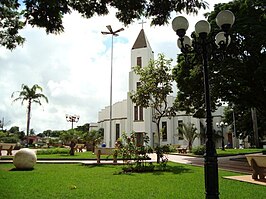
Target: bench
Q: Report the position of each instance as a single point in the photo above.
(79, 147)
(105, 151)
(182, 150)
(258, 165)
(8, 147)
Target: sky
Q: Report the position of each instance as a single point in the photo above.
(73, 68)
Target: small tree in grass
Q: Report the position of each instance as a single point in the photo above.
(131, 150)
(189, 132)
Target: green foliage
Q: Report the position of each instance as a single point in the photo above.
(49, 14)
(93, 137)
(236, 76)
(243, 70)
(10, 139)
(47, 133)
(243, 122)
(240, 77)
(189, 132)
(2, 134)
(7, 137)
(199, 150)
(166, 149)
(129, 149)
(10, 24)
(14, 130)
(53, 151)
(70, 135)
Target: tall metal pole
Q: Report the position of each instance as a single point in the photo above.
(72, 119)
(210, 157)
(234, 124)
(222, 130)
(111, 92)
(113, 33)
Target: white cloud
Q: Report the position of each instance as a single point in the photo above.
(74, 69)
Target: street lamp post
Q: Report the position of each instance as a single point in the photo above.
(200, 45)
(72, 119)
(234, 125)
(222, 125)
(113, 33)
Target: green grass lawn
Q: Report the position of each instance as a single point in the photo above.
(77, 155)
(76, 181)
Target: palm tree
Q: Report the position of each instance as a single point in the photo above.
(93, 138)
(189, 133)
(30, 95)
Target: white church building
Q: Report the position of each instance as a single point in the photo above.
(127, 117)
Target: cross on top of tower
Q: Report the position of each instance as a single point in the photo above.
(142, 22)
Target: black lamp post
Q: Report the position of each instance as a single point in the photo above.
(200, 45)
(222, 125)
(72, 119)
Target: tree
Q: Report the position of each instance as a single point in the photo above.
(93, 138)
(239, 78)
(84, 128)
(189, 132)
(14, 130)
(10, 24)
(47, 133)
(243, 122)
(155, 85)
(49, 14)
(32, 132)
(30, 95)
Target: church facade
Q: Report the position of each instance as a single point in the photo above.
(128, 117)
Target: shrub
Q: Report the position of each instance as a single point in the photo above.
(200, 150)
(129, 149)
(11, 139)
(53, 151)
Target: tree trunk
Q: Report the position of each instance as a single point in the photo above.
(158, 147)
(255, 126)
(190, 146)
(28, 122)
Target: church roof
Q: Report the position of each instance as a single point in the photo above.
(141, 41)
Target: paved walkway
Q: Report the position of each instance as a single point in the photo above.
(236, 163)
(231, 163)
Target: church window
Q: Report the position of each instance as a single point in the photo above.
(164, 131)
(180, 135)
(117, 131)
(136, 113)
(139, 61)
(141, 113)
